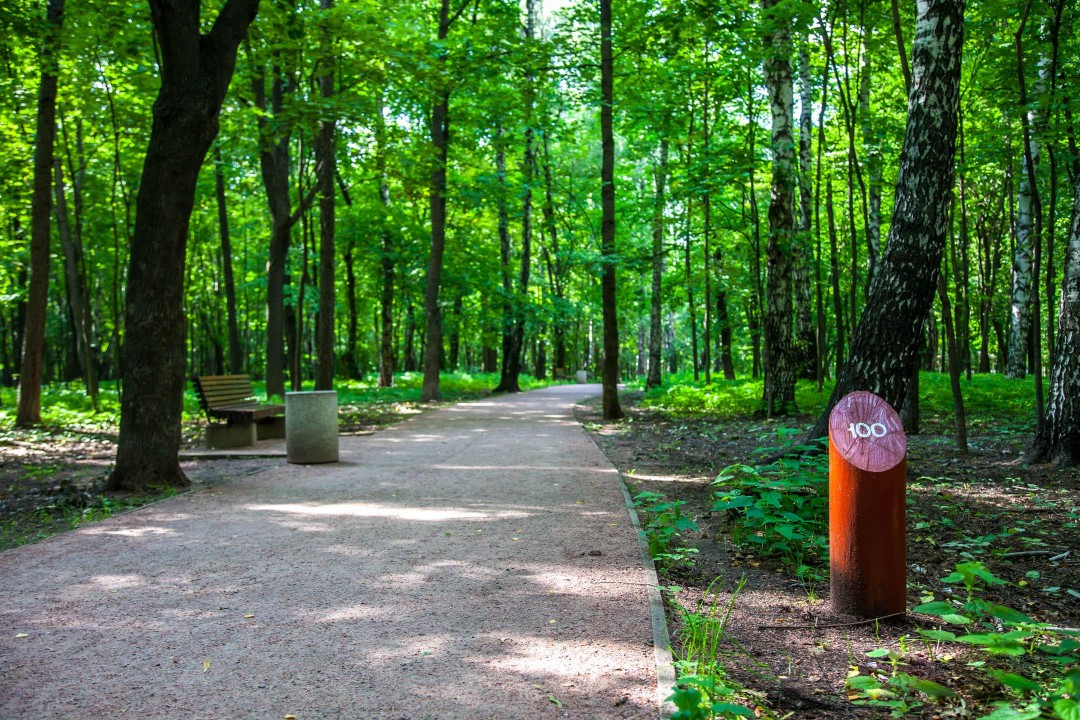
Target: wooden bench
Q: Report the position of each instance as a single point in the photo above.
(235, 418)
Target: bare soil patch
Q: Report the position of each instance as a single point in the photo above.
(982, 507)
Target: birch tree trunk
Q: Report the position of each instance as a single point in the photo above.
(805, 331)
(656, 338)
(1058, 440)
(779, 393)
(884, 345)
(1027, 202)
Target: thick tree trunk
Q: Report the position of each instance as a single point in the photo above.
(656, 339)
(236, 356)
(195, 75)
(779, 391)
(1058, 440)
(325, 169)
(33, 338)
(885, 343)
(610, 397)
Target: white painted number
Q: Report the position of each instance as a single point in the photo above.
(862, 430)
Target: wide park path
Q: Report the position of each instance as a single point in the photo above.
(477, 561)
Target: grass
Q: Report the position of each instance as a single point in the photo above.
(993, 403)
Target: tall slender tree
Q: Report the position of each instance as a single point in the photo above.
(33, 336)
(610, 396)
(779, 391)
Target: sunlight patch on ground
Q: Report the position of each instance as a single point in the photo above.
(116, 582)
(663, 478)
(357, 612)
(387, 511)
(549, 658)
(129, 532)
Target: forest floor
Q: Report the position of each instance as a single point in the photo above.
(779, 646)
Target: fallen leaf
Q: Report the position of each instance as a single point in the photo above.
(22, 635)
(290, 717)
(553, 699)
(552, 622)
(249, 615)
(206, 666)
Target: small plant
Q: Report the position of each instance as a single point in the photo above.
(780, 510)
(703, 690)
(665, 521)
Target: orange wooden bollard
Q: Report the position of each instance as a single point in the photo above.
(867, 507)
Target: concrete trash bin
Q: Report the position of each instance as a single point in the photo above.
(582, 377)
(311, 427)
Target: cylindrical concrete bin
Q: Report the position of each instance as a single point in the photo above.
(311, 427)
(582, 377)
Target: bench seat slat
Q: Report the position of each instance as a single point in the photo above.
(232, 398)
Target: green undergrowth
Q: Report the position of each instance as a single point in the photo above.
(993, 403)
(67, 405)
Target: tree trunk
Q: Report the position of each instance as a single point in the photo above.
(954, 368)
(1027, 235)
(610, 397)
(779, 391)
(74, 275)
(236, 357)
(439, 130)
(195, 74)
(1058, 439)
(656, 339)
(884, 345)
(33, 339)
(805, 348)
(509, 374)
(325, 169)
(387, 261)
(274, 164)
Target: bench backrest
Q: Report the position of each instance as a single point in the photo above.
(216, 391)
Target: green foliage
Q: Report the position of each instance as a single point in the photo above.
(779, 510)
(703, 689)
(683, 397)
(1007, 632)
(664, 523)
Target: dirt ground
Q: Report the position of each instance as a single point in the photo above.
(959, 508)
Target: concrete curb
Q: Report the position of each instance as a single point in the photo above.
(665, 665)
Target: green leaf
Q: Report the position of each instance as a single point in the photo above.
(732, 709)
(1016, 682)
(939, 635)
(880, 652)
(1067, 709)
(1005, 711)
(928, 687)
(936, 608)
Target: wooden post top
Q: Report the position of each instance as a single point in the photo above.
(867, 432)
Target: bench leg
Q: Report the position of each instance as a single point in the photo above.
(270, 428)
(230, 436)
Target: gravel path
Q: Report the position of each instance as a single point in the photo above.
(474, 562)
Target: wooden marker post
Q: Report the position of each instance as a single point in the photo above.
(867, 507)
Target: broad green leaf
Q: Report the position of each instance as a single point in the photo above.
(1016, 682)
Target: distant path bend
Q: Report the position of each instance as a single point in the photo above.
(476, 561)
